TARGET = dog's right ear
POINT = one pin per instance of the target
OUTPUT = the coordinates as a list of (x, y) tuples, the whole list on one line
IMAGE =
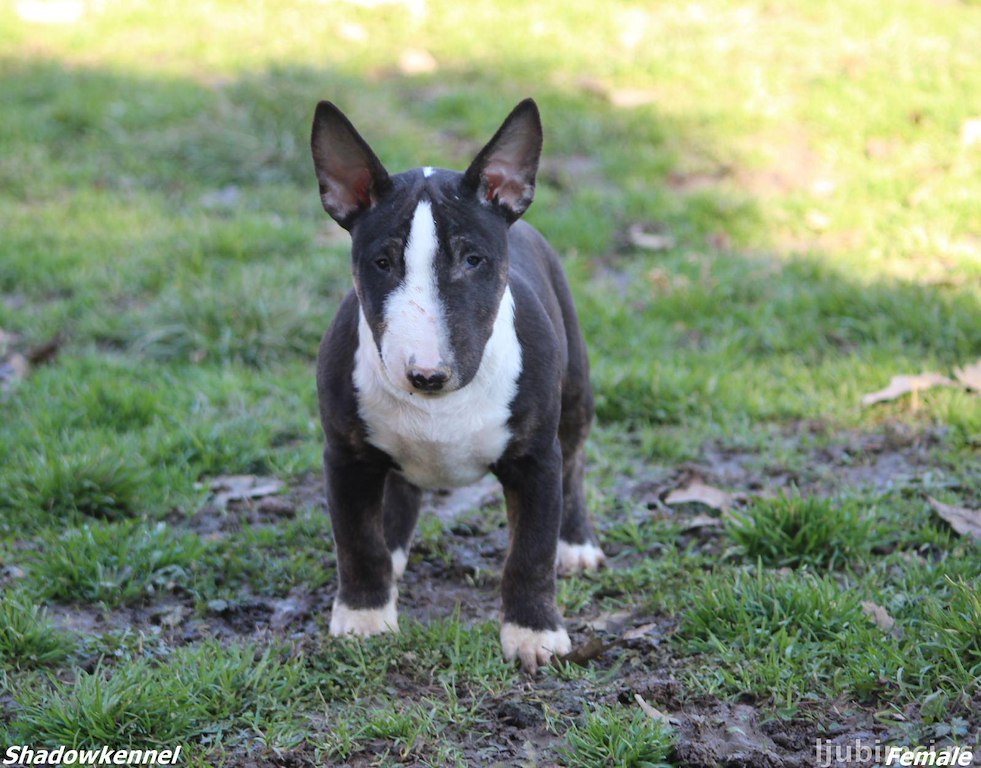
[(351, 177)]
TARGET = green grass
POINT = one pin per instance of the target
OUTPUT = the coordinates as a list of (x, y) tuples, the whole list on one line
[(200, 690), (777, 633), (793, 531), (611, 736), (71, 488), (27, 639), (160, 219), (114, 564), (951, 652)]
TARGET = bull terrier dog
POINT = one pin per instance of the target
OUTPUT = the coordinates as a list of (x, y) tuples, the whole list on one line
[(457, 353)]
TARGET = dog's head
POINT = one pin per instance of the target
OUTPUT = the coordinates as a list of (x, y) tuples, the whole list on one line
[(429, 247)]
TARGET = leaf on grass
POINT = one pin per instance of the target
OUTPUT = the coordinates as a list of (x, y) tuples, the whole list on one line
[(879, 615), (698, 492), (649, 241), (44, 353), (241, 487), (609, 621), (653, 712), (970, 376), (593, 648), (964, 521), (13, 368), (702, 521), (643, 630), (903, 385)]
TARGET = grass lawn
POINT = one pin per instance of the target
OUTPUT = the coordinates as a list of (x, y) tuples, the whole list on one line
[(766, 211)]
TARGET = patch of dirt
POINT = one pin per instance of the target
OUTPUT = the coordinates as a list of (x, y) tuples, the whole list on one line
[(735, 736), (463, 572), (894, 457), (301, 756), (249, 615), (213, 520)]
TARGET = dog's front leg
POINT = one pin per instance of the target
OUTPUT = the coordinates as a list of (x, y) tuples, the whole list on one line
[(366, 593), (531, 626)]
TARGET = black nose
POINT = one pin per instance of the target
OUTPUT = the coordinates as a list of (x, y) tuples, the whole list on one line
[(428, 379)]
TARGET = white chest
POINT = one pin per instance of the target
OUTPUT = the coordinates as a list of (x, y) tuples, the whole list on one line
[(448, 440)]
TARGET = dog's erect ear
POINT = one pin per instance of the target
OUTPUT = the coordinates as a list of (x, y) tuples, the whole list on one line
[(351, 178), (503, 173)]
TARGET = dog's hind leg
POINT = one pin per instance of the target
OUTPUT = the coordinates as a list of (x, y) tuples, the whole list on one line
[(578, 548), (401, 510)]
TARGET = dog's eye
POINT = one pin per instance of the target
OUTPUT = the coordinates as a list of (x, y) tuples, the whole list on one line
[(383, 264), (473, 261)]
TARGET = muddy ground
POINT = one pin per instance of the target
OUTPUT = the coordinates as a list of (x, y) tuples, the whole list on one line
[(632, 649)]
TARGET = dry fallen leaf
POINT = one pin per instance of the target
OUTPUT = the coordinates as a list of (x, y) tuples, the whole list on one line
[(635, 633), (13, 368), (702, 521), (964, 521), (649, 241), (609, 621), (46, 352), (697, 491), (240, 487), (651, 712), (902, 385), (970, 376), (593, 648), (879, 615)]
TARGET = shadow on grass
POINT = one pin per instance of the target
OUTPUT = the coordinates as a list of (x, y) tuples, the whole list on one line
[(113, 172)]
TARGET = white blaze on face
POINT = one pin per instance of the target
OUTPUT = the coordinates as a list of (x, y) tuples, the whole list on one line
[(415, 327)]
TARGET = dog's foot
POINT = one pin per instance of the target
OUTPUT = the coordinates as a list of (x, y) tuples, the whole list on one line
[(572, 558), (534, 647), (400, 558), (364, 621)]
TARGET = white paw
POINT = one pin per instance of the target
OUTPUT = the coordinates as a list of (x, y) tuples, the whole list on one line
[(400, 558), (533, 646), (572, 558), (364, 621)]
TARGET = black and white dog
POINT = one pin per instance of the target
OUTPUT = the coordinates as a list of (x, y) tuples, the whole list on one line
[(458, 353)]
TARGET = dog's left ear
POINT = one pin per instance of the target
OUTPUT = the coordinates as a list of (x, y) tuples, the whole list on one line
[(503, 173)]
